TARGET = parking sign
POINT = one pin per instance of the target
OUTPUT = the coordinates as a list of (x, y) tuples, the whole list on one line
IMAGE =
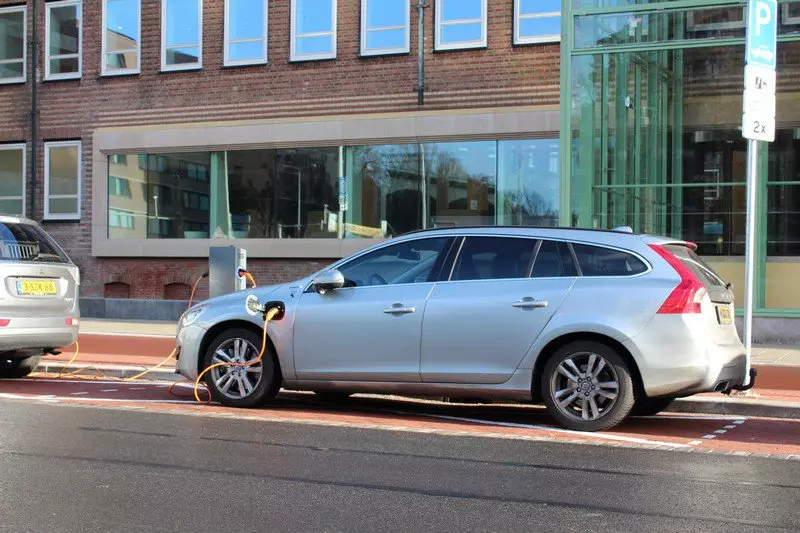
[(758, 113), (762, 32)]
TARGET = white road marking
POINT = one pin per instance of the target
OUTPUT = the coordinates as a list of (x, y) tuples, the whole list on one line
[(89, 381), (558, 430), (709, 436), (69, 399), (721, 431), (79, 393), (695, 442), (738, 421), (110, 390), (730, 427)]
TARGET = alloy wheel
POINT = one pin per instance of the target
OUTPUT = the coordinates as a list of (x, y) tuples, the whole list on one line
[(585, 386), (236, 382)]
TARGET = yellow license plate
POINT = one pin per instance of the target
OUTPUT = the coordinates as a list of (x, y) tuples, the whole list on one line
[(724, 315), (36, 287)]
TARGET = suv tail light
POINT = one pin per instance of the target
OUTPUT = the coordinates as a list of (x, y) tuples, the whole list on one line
[(686, 297)]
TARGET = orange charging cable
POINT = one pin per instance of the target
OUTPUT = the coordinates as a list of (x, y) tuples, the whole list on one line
[(270, 314)]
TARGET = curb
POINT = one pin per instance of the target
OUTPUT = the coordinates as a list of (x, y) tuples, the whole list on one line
[(736, 407), (112, 371)]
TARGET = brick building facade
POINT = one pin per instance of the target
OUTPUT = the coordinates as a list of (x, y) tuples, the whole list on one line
[(498, 76)]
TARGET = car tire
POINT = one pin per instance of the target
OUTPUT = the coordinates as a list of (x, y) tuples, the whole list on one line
[(19, 368), (565, 398), (262, 388), (651, 406), (331, 396)]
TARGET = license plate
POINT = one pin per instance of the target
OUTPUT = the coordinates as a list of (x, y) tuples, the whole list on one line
[(724, 315), (36, 287)]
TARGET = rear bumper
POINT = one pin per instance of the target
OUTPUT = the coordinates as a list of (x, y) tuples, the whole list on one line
[(37, 338)]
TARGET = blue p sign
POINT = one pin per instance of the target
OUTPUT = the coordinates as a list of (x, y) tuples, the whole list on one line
[(762, 32)]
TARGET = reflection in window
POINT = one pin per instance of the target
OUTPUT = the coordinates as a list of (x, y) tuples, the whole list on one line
[(417, 261), (385, 27), (537, 21), (460, 24), (13, 35), (121, 38), (245, 32), (528, 182), (63, 40), (313, 30), (463, 178), (12, 179), (494, 258), (62, 186), (181, 34)]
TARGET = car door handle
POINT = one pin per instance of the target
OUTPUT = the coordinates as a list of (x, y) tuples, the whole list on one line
[(529, 303), (399, 309)]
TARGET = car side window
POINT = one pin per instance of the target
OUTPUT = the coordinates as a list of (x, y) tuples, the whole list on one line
[(554, 260), (494, 258), (599, 261), (416, 261)]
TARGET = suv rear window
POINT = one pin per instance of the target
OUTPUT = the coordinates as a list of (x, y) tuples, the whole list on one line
[(24, 242), (699, 268), (599, 261)]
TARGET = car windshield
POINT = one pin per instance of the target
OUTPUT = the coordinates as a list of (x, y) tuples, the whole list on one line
[(28, 243)]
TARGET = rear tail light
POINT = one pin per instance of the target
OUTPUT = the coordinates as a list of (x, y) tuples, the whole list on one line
[(72, 322), (687, 296), (4, 322)]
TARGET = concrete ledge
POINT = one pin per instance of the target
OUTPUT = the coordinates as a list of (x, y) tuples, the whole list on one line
[(736, 407), (111, 371), (127, 309), (772, 330)]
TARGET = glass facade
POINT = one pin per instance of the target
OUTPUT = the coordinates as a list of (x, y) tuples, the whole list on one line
[(655, 136), (285, 193)]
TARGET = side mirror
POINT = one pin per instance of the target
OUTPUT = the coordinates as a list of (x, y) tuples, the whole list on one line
[(328, 281)]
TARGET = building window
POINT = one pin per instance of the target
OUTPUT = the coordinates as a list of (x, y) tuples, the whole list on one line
[(13, 36), (245, 32), (12, 179), (120, 219), (385, 27), (62, 185), (537, 21), (119, 187), (63, 44), (313, 30), (121, 37), (460, 24), (181, 34)]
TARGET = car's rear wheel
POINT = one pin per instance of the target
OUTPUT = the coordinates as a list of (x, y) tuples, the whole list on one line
[(587, 386), (241, 386), (651, 406), (18, 368)]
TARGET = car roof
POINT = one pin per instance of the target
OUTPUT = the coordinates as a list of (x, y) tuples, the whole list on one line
[(8, 219)]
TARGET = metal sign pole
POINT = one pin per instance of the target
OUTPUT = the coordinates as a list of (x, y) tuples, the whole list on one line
[(750, 256), (758, 124)]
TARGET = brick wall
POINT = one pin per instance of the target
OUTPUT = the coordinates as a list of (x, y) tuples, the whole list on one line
[(500, 75)]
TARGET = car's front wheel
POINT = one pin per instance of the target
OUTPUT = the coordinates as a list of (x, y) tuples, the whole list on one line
[(18, 368), (237, 385), (587, 386)]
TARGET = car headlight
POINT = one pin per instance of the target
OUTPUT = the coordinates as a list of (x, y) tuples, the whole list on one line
[(191, 316)]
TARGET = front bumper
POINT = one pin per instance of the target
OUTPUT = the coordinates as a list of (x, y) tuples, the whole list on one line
[(188, 342)]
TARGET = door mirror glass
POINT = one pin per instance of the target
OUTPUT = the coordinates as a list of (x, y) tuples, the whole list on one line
[(328, 281)]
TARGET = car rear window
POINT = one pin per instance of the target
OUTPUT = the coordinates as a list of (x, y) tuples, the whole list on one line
[(599, 261), (24, 242), (699, 268)]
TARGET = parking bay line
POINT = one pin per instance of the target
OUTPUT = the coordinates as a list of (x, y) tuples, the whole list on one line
[(555, 430)]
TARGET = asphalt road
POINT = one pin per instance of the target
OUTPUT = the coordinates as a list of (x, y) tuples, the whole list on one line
[(67, 468)]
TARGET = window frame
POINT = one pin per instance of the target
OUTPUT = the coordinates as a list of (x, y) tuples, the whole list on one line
[(786, 19), (365, 29), (460, 45), (47, 196), (294, 57), (23, 147), (539, 39), (49, 76), (20, 79), (264, 59), (104, 70), (199, 44)]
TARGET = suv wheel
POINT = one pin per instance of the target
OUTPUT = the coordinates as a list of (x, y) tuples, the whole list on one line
[(18, 368), (587, 386), (239, 386)]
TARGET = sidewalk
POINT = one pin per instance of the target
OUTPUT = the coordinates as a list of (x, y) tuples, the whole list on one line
[(125, 348)]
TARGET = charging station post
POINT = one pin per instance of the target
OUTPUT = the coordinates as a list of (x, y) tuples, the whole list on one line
[(224, 263)]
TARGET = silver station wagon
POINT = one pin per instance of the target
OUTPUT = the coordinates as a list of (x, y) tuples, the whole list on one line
[(597, 325), (38, 297)]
